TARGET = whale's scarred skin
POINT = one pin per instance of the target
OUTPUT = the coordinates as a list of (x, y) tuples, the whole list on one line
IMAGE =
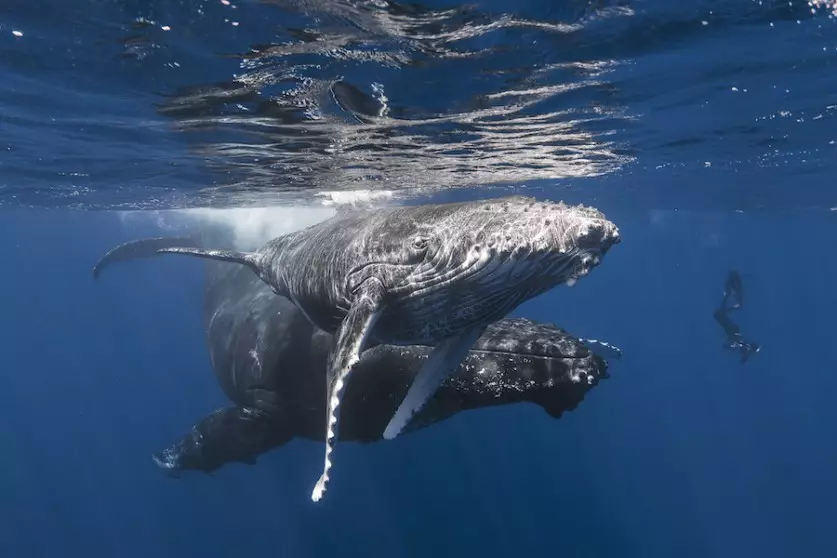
[(435, 275)]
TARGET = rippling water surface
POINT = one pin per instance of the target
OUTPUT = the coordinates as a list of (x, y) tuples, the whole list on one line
[(226, 103)]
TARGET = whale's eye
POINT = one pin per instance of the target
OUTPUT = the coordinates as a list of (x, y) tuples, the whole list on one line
[(419, 243)]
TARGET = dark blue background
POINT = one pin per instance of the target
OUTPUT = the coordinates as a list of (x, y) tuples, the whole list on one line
[(683, 451)]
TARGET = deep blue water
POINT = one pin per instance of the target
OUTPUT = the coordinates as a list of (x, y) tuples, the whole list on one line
[(706, 130)]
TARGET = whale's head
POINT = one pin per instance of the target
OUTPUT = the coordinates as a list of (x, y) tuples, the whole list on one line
[(518, 360), (489, 256)]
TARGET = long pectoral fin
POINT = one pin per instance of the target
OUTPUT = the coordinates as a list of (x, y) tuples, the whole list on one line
[(139, 249), (349, 343), (150, 247), (249, 259), (446, 356)]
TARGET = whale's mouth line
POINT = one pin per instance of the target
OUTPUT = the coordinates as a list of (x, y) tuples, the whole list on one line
[(366, 265), (567, 267)]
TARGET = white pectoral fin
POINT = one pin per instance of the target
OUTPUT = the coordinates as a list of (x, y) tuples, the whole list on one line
[(349, 343), (445, 358)]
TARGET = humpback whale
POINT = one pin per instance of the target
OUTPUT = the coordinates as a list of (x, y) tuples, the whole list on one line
[(270, 362), (434, 274)]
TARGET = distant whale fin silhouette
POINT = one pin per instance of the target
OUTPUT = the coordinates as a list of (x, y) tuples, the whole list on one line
[(139, 249)]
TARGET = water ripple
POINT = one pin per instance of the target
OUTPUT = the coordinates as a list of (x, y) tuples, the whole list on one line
[(458, 101), (240, 103)]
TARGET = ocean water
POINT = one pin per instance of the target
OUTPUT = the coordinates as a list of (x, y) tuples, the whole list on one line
[(706, 130)]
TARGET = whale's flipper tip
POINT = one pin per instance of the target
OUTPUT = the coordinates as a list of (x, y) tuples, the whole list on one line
[(319, 488), (446, 356), (393, 429)]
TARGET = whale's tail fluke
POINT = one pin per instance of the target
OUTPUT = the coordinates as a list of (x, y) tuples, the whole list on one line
[(227, 435), (139, 249)]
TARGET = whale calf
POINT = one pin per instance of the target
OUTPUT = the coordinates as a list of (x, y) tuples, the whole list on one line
[(434, 274)]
